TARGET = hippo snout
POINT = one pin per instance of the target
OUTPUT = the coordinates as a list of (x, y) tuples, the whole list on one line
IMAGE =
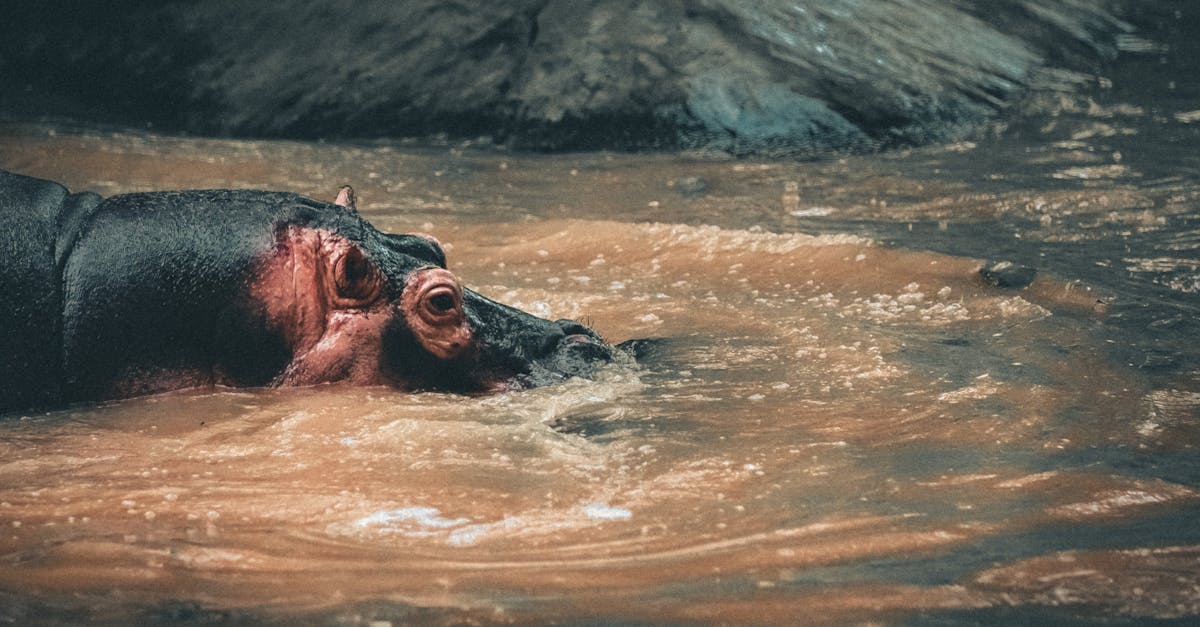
[(577, 350), (515, 349), (581, 342)]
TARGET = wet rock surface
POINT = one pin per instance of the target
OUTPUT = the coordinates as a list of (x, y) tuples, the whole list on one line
[(761, 77), (1008, 275)]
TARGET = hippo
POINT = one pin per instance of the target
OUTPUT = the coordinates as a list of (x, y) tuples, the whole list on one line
[(143, 293)]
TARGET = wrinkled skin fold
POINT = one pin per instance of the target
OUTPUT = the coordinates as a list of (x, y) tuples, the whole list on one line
[(143, 293)]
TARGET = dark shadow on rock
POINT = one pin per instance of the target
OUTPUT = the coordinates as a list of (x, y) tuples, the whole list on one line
[(743, 77)]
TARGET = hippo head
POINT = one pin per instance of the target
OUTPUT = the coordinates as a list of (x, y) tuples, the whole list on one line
[(355, 304)]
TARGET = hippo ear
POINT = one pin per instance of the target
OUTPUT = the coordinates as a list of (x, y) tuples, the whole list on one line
[(345, 199), (357, 281)]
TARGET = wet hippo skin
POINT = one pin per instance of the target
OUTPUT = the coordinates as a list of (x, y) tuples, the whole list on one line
[(143, 293)]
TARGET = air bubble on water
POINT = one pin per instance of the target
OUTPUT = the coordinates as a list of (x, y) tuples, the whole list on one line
[(540, 308)]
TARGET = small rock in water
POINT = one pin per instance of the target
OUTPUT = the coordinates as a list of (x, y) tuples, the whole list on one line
[(690, 186), (1008, 275)]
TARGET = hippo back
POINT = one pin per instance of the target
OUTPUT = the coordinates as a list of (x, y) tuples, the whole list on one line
[(156, 292), (33, 212)]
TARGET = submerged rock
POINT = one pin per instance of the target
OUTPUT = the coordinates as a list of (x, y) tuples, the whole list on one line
[(1008, 275), (761, 77), (690, 186)]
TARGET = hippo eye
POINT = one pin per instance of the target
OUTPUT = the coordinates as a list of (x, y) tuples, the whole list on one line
[(432, 306), (442, 302), (435, 296)]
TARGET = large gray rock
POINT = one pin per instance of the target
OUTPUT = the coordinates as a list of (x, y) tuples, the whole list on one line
[(768, 77)]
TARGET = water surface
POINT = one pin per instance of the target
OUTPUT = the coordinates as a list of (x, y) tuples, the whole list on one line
[(841, 420)]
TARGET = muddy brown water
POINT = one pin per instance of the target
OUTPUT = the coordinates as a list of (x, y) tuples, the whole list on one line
[(842, 422)]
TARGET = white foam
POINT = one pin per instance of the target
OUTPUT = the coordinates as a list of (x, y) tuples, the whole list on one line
[(428, 517), (814, 212), (604, 511)]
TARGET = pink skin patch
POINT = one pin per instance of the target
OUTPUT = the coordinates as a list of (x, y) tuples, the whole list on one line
[(327, 299)]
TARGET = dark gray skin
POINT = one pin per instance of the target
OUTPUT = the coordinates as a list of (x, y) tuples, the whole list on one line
[(143, 293)]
